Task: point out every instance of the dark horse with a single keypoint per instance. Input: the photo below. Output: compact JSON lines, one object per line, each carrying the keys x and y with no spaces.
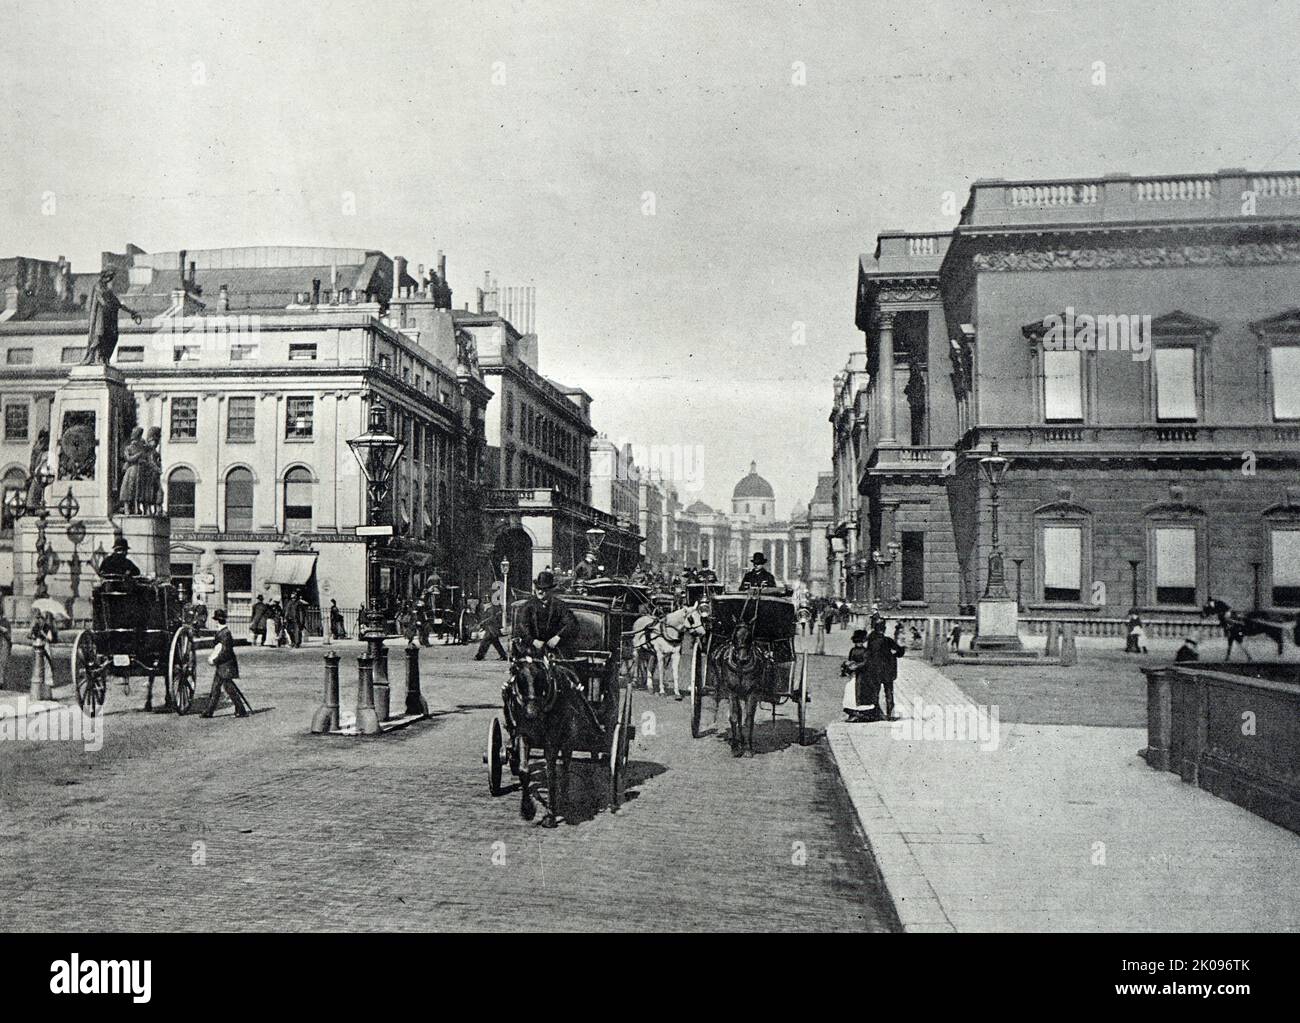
{"x":1237,"y":627}
{"x":544,"y":715}
{"x":742,"y":670}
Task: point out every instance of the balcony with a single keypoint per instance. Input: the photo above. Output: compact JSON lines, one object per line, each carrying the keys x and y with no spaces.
{"x":1225,"y":195}
{"x":1141,"y":440}
{"x":911,"y":459}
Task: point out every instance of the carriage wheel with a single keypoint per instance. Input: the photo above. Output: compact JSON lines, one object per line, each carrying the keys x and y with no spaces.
{"x":181,"y":671}
{"x":493,"y":758}
{"x":697,"y":695}
{"x":88,"y":674}
{"x":516,"y":754}
{"x":802,"y":696}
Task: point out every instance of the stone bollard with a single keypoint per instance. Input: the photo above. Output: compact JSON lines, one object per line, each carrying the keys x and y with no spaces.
{"x":367,"y":719}
{"x":820,"y":647}
{"x":1053,"y":647}
{"x":40,"y":685}
{"x":326,"y":718}
{"x":1069,"y":655}
{"x":415,"y":702}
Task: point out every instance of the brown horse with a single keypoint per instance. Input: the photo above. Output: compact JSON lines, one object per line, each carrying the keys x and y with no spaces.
{"x":742,"y":669}
{"x":544,"y":715}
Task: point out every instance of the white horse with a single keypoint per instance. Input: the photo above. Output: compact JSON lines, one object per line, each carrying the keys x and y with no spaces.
{"x":661,"y":638}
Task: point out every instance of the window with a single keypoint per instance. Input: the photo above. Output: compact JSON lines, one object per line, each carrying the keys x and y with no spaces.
{"x":185,"y":418}
{"x":913,"y":566}
{"x":298,"y":418}
{"x":182,"y":573}
{"x":1063,"y":386}
{"x":16,"y":422}
{"x":130,"y":353}
{"x":1286,"y":566}
{"x":241,"y":417}
{"x":302,"y":353}
{"x":242,"y":352}
{"x":18,"y":357}
{"x":15,"y":480}
{"x":1175,"y":567}
{"x":185,"y":353}
{"x":1062,"y":563}
{"x":1285,"y":364}
{"x":72,"y":355}
{"x":180,"y":499}
{"x":385,"y":363}
{"x":1175,"y":370}
{"x":239,"y":501}
{"x":510,"y":413}
{"x":297,"y":501}
{"x":236,"y":579}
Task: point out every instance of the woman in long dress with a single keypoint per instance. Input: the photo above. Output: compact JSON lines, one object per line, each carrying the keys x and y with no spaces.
{"x":129,"y":492}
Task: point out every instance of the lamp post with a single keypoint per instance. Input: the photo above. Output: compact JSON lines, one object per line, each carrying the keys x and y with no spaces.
{"x":505,"y":592}
{"x":376,"y":452}
{"x":998,"y":620}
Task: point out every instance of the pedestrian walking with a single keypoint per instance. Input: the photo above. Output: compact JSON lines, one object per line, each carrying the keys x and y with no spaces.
{"x":226,"y":670}
{"x":257,"y":621}
{"x":490,"y":630}
{"x":6,"y":644}
{"x":882,"y":667}
{"x":337,"y":629}
{"x":1136,"y":642}
{"x":855,"y":669}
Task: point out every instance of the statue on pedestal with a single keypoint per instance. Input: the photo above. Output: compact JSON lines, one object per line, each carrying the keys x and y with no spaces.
{"x":40,"y":453}
{"x":151,"y":488}
{"x":104,"y":306}
{"x":134,"y":472}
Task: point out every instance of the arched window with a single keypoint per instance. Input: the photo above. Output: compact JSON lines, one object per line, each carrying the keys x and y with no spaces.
{"x":297,"y":501}
{"x":180,"y":498}
{"x":239,"y":501}
{"x":14,"y":480}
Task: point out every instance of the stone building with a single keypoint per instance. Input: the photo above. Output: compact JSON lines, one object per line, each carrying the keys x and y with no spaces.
{"x":1132,"y":344}
{"x":258,"y":365}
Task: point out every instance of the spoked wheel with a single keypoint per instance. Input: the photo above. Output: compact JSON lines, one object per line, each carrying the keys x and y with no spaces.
{"x":181,"y":671}
{"x":494,"y":757}
{"x":88,"y":675}
{"x":801,"y":694}
{"x":697,"y":695}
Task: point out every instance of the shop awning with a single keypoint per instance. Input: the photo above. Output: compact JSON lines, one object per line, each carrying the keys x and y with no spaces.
{"x":292,"y":569}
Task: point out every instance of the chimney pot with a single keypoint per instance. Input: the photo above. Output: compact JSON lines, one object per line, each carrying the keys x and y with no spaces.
{"x":223,"y":298}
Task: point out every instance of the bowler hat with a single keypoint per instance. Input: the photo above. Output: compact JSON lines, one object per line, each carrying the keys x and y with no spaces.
{"x":120,"y":544}
{"x":759,"y":558}
{"x":859,"y":635}
{"x":545,"y":581}
{"x":220,"y":615}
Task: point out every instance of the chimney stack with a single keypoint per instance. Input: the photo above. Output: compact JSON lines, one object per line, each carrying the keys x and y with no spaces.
{"x":399,"y":271}
{"x":442,"y":267}
{"x":315,"y":291}
{"x":223,"y":299}
{"x":181,"y":270}
{"x":191,"y":281}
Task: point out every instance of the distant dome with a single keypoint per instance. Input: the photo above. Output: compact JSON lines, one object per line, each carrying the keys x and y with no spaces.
{"x":753,"y":486}
{"x":699,"y":508}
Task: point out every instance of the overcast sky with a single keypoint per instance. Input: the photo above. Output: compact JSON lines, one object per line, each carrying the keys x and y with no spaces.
{"x":523,"y":137}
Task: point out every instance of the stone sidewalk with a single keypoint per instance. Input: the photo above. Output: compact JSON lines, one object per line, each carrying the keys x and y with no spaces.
{"x":1052,"y":828}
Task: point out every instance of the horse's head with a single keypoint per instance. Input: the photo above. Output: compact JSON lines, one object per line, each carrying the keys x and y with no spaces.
{"x":742,"y":637}
{"x":535,"y":688}
{"x":693,"y":620}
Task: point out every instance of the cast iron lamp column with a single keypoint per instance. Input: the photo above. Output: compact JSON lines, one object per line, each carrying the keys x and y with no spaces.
{"x":994,"y":466}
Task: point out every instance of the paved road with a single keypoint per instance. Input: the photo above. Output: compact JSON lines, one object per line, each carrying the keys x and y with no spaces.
{"x":306,"y":832}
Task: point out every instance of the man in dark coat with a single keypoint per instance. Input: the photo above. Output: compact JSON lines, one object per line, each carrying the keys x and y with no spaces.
{"x":586,"y":568}
{"x":257,"y":621}
{"x":117,"y":563}
{"x":226,"y":669}
{"x":546,"y":623}
{"x":758,"y":575}
{"x":489,"y":624}
{"x":293,"y":618}
{"x":882,"y":667}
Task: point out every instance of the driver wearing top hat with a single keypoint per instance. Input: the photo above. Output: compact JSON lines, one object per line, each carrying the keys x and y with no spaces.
{"x":546,"y":622}
{"x":758,"y":575}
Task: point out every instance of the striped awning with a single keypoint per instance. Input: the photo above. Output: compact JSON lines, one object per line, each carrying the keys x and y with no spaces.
{"x":292,"y":569}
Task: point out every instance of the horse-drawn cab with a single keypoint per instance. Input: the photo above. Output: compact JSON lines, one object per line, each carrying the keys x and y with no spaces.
{"x":139,"y":628}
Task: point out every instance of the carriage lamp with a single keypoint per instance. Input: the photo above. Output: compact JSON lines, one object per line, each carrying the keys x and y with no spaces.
{"x":994,"y":467}
{"x":595,"y":537}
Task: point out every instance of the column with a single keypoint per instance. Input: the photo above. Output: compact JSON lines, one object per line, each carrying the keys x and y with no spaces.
{"x":885,"y":363}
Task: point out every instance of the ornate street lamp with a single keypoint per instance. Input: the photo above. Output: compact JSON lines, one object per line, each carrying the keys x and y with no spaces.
{"x":994,"y":467}
{"x":376,"y":452}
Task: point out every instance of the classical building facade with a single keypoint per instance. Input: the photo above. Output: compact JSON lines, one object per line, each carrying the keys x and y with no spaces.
{"x":257,"y":365}
{"x":1132,"y":344}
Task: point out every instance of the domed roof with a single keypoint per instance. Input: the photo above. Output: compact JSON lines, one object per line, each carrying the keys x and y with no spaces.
{"x":699,"y":508}
{"x":753,"y":486}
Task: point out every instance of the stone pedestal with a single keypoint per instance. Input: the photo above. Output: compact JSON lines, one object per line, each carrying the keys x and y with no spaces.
{"x":90,"y":420}
{"x":997,"y":624}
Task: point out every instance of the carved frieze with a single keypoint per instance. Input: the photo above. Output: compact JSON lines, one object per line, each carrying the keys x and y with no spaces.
{"x":1139,"y":257}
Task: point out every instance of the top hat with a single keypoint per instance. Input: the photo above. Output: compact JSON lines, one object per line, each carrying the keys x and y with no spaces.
{"x":120,"y":544}
{"x":545,"y":581}
{"x":759,"y":558}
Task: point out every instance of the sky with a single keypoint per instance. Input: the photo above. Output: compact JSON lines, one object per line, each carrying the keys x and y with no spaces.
{"x":689,"y":185}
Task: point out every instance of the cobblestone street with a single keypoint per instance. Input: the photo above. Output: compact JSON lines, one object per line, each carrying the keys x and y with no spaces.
{"x":399,"y":832}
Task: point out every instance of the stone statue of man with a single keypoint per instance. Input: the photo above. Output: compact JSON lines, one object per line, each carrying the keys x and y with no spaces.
{"x":104,"y":306}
